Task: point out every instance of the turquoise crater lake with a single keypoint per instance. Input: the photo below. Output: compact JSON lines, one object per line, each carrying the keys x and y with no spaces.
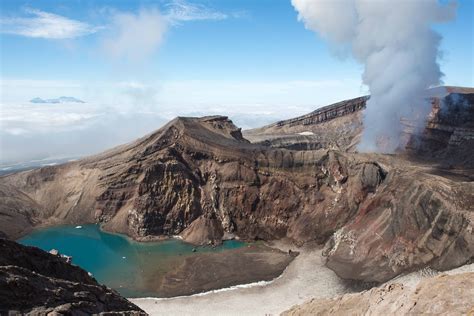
{"x":115,"y":260}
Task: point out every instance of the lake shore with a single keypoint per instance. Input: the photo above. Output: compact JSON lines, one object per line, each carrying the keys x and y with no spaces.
{"x":204,"y":272}
{"x":306,"y":277}
{"x":168,"y":268}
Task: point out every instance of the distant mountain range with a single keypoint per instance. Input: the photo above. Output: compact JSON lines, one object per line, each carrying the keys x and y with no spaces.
{"x":57,"y":100}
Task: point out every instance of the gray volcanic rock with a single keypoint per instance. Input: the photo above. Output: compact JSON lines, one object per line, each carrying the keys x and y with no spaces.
{"x":440,"y":295}
{"x":33,"y":281}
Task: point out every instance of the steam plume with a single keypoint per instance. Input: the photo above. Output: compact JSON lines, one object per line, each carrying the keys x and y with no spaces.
{"x":398,"y":48}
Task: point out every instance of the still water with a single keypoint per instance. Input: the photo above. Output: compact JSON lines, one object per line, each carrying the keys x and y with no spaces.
{"x":116,"y":260}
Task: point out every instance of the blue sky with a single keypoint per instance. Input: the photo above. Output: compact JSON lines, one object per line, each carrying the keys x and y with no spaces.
{"x":257,"y":40}
{"x":252,"y":60}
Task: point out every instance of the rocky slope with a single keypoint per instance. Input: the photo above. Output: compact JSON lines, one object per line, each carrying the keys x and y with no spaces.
{"x":440,"y":295}
{"x":201,"y":179}
{"x":17,"y":212}
{"x":336,"y":126}
{"x":416,"y":217}
{"x":36,"y":282}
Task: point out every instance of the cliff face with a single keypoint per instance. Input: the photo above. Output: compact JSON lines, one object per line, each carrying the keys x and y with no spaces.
{"x":448,"y":136}
{"x":449,"y":133}
{"x":33,"y":281}
{"x":17,"y":212}
{"x":199,"y":178}
{"x":417,"y":217}
{"x":441,"y":295}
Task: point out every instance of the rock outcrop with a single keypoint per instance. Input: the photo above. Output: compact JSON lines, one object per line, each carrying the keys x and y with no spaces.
{"x":36,"y":282}
{"x":440,"y":295}
{"x":449,"y":134}
{"x":414,"y":218}
{"x":447,"y":137}
{"x":201,"y":179}
{"x":336,"y":126}
{"x":17,"y":212}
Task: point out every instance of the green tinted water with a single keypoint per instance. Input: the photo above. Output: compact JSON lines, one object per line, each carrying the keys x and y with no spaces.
{"x":116,"y":260}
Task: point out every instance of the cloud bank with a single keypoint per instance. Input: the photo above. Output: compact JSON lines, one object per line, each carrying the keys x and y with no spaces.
{"x":398,"y":49}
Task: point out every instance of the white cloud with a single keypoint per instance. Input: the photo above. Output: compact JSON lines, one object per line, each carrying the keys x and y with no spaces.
{"x":182,"y":11}
{"x":40,"y":24}
{"x":135,"y":36}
